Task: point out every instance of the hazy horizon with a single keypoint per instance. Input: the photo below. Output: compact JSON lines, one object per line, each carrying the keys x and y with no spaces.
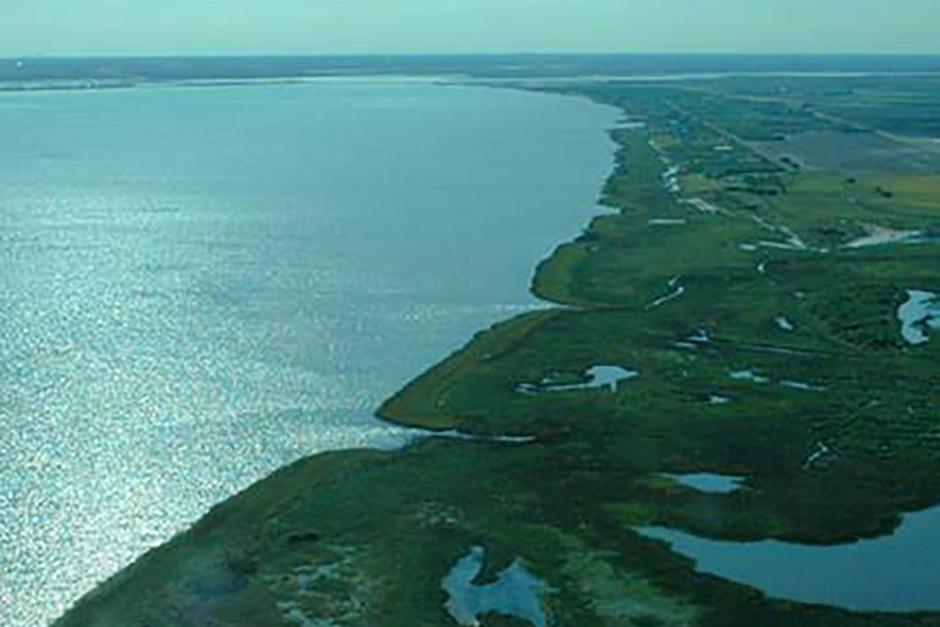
{"x":458,"y":54}
{"x":356,"y":27}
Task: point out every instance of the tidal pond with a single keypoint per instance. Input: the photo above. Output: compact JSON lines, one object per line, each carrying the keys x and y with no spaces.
{"x":919,"y":315}
{"x":896,"y":573}
{"x":515,"y":593}
{"x":708,"y":482}
{"x":596,"y":377}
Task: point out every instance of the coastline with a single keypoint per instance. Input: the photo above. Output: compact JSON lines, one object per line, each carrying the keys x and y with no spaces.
{"x":431,"y":430}
{"x":549,"y":502}
{"x":412,"y":322}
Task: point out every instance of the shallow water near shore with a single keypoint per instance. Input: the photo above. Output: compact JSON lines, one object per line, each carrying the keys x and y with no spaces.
{"x":199,"y":286}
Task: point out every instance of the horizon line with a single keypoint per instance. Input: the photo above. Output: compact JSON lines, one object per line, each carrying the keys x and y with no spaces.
{"x":327,"y":55}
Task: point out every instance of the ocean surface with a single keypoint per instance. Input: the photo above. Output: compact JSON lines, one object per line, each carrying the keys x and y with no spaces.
{"x":199,"y":285}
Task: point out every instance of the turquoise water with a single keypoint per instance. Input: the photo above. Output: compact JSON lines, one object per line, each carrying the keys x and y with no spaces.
{"x":198,"y":285}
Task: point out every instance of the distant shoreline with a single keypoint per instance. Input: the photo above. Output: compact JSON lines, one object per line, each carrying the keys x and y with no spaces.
{"x":137,"y":70}
{"x":85,"y":85}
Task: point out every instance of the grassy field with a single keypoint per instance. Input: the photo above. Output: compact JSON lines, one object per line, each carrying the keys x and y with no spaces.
{"x":852,"y":152}
{"x":764,"y":344}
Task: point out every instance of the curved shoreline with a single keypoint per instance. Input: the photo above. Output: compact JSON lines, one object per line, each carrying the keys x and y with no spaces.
{"x":301,"y":336}
{"x":566,"y":503}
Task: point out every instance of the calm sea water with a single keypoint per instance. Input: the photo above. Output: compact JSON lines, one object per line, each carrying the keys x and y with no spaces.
{"x":200,"y":285}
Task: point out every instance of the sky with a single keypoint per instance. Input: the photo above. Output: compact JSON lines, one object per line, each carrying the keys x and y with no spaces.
{"x":115,"y":27}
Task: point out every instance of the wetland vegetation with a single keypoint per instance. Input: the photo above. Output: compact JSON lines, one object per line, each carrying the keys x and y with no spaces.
{"x":670,"y":360}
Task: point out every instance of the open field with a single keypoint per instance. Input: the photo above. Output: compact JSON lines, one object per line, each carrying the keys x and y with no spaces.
{"x":851,"y":152}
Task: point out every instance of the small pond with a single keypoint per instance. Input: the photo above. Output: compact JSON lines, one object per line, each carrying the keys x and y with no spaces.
{"x":896,"y":573}
{"x":596,"y":377}
{"x":514,"y":593}
{"x":708,"y":482}
{"x":919,"y":314}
